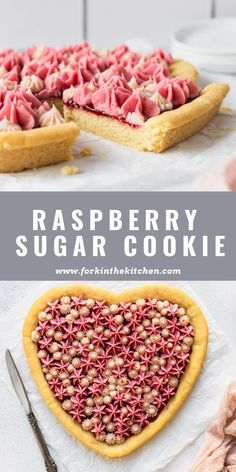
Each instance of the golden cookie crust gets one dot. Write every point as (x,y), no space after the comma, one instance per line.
(37,147)
(181,68)
(186,384)
(160,132)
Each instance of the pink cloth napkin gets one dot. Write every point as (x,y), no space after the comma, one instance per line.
(230,175)
(218,453)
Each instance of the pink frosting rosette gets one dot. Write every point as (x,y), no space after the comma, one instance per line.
(30,98)
(20,108)
(83,95)
(110,97)
(11,74)
(190,89)
(52,87)
(39,53)
(69,77)
(177,90)
(42,70)
(76,52)
(119,51)
(130,59)
(140,104)
(9,60)
(115,70)
(90,65)
(150,69)
(161,56)
(123,56)
(57,82)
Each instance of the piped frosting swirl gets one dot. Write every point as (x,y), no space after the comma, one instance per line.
(19,109)
(51,117)
(6,125)
(32,83)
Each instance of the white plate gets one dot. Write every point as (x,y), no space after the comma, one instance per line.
(209,43)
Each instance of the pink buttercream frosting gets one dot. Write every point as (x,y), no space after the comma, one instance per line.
(113,71)
(122,55)
(161,55)
(113,368)
(177,90)
(39,53)
(20,108)
(56,83)
(90,65)
(113,95)
(72,54)
(9,59)
(41,69)
(110,97)
(120,83)
(9,74)
(150,69)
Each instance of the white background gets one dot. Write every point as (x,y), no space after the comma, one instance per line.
(18,451)
(110,22)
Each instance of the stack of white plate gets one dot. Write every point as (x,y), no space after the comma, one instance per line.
(210,44)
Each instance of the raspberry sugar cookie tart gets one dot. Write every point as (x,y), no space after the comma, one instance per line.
(115,369)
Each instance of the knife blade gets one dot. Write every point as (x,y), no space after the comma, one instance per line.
(21,393)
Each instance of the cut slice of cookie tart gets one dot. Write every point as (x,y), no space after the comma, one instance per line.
(49,72)
(115,369)
(147,115)
(31,133)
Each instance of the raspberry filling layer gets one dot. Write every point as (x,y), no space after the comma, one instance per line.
(114,367)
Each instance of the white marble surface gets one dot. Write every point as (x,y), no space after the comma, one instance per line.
(18,450)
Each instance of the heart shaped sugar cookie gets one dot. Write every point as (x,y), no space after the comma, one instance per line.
(115,369)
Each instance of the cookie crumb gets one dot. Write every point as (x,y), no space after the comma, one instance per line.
(213,132)
(225,110)
(85,152)
(69,170)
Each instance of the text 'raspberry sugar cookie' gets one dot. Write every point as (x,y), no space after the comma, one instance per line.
(91,352)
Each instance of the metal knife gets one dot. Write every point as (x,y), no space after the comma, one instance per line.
(23,397)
